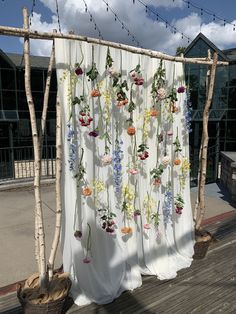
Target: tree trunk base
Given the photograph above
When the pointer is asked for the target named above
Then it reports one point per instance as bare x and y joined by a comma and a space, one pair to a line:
203, 239
55, 301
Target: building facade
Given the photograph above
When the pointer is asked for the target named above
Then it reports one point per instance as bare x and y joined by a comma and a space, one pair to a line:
222, 116
15, 128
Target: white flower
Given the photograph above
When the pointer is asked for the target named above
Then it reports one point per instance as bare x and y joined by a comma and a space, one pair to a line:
106, 159
166, 160
161, 93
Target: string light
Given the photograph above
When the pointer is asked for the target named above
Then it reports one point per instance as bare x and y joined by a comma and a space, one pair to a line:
122, 23
159, 17
208, 12
32, 12
58, 17
91, 19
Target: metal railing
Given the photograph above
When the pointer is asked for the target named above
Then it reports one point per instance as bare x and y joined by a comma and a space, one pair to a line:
18, 162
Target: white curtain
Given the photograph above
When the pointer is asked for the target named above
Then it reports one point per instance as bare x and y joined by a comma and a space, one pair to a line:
116, 260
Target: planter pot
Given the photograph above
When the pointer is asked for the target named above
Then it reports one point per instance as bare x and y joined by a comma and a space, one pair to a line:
58, 306
203, 239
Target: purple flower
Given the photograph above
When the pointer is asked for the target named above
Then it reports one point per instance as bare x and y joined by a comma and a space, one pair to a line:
181, 89
78, 71
93, 133
86, 260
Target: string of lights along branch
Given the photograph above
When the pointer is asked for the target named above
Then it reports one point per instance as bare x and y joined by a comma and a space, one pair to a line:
123, 26
158, 17
32, 12
58, 17
91, 18
210, 13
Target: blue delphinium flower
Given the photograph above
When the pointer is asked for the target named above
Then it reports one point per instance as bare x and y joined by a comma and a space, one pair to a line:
117, 167
167, 206
72, 147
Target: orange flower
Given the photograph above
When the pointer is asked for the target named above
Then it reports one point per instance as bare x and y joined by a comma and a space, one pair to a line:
131, 130
126, 230
95, 93
177, 161
122, 102
153, 112
87, 191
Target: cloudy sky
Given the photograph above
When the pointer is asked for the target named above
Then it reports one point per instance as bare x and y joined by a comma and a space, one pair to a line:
137, 20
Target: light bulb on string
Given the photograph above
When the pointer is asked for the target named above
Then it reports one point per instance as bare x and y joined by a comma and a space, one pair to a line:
224, 22
201, 11
182, 36
146, 9
234, 28
86, 9
214, 17
188, 5
166, 24
107, 7
91, 18
115, 17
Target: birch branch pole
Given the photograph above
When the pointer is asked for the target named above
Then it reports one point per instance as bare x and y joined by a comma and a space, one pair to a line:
201, 206
19, 32
39, 234
57, 231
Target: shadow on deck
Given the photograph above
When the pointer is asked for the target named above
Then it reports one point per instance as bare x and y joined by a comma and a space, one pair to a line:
208, 286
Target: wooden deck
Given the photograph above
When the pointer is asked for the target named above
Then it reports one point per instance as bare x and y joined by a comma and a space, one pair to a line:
208, 286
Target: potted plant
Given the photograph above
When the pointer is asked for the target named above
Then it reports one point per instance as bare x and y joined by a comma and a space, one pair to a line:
45, 291
203, 238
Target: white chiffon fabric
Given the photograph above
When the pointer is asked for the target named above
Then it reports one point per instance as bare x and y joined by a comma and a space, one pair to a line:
118, 260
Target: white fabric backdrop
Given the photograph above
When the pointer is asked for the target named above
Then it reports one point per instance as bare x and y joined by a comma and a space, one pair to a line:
118, 260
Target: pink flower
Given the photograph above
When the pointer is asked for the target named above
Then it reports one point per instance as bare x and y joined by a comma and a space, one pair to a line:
86, 260
146, 226
170, 133
161, 93
106, 159
133, 171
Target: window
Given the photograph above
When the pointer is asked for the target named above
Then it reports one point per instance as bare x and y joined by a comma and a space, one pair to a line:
9, 100
8, 79
37, 80
232, 97
232, 75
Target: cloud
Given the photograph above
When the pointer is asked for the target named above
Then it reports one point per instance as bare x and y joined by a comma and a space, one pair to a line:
151, 34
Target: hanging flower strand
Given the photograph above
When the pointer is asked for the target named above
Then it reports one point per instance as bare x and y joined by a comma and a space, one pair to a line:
78, 70
107, 217
178, 149
87, 258
131, 129
114, 74
148, 204
79, 176
117, 166
136, 76
127, 207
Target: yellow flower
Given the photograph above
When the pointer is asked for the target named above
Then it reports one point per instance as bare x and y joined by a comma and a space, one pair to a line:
98, 185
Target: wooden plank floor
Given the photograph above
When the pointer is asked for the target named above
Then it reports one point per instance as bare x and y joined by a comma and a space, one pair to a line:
208, 286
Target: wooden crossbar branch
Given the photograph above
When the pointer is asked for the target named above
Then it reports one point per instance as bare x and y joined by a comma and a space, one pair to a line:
20, 32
